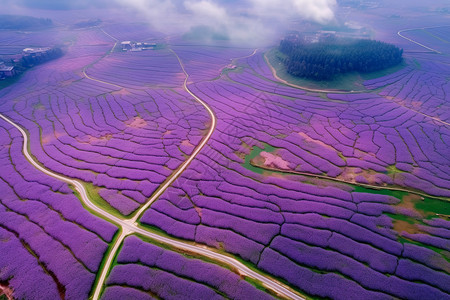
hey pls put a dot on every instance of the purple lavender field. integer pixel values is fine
(165, 155)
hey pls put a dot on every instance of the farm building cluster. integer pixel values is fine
(10, 70)
(137, 46)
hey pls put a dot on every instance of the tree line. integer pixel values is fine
(13, 22)
(28, 61)
(325, 59)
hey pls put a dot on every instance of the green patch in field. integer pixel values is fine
(433, 207)
(393, 170)
(402, 223)
(423, 208)
(385, 72)
(397, 194)
(402, 218)
(92, 192)
(102, 264)
(342, 156)
(256, 151)
(76, 194)
(9, 81)
(442, 252)
(429, 208)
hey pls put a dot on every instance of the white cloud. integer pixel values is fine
(262, 17)
(320, 11)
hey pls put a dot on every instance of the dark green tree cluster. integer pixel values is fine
(325, 59)
(12, 22)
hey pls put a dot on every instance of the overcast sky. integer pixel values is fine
(240, 20)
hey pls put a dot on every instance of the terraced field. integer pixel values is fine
(211, 179)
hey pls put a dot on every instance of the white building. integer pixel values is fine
(34, 51)
(126, 45)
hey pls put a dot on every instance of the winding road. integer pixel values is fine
(130, 226)
(193, 155)
(415, 42)
(399, 33)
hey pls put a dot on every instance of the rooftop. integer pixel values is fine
(35, 50)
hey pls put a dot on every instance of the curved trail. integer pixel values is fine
(193, 155)
(110, 51)
(364, 185)
(423, 114)
(246, 56)
(130, 226)
(399, 33)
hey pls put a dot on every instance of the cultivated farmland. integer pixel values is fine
(192, 172)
